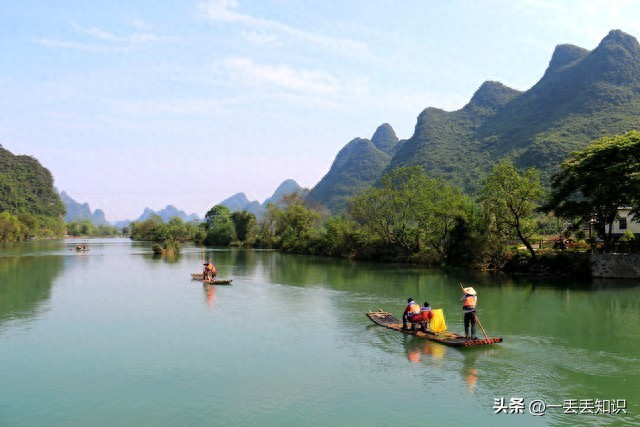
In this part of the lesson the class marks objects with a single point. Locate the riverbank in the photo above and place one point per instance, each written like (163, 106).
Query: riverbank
(577, 265)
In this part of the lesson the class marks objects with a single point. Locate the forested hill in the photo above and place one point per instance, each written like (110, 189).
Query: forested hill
(582, 96)
(356, 167)
(26, 187)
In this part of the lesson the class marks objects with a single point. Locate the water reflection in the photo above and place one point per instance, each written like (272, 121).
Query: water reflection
(25, 284)
(417, 349)
(168, 258)
(209, 292)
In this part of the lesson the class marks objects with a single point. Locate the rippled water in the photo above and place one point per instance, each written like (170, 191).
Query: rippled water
(114, 336)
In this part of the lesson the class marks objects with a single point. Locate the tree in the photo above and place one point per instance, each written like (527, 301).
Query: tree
(343, 237)
(244, 223)
(219, 227)
(595, 182)
(411, 213)
(178, 230)
(10, 227)
(442, 207)
(389, 211)
(511, 199)
(293, 223)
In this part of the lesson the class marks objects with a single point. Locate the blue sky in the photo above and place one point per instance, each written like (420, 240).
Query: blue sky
(138, 103)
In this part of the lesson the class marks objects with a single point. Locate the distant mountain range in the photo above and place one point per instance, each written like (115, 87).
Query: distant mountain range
(583, 95)
(240, 202)
(167, 213)
(76, 211)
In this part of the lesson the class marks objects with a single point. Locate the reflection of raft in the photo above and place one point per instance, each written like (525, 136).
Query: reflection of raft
(387, 320)
(200, 277)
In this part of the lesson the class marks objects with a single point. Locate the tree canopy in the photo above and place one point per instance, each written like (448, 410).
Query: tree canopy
(593, 183)
(510, 200)
(411, 212)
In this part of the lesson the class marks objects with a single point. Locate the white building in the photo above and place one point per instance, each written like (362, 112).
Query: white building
(626, 222)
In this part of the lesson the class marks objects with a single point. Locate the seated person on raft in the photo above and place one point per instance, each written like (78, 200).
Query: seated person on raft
(410, 311)
(209, 271)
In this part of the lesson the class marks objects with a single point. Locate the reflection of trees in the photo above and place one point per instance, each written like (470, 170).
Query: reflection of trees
(25, 284)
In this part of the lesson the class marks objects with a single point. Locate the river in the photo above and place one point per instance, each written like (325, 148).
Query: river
(117, 337)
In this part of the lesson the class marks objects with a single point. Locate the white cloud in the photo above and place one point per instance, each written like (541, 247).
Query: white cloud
(259, 38)
(106, 41)
(225, 10)
(248, 72)
(133, 37)
(171, 107)
(81, 46)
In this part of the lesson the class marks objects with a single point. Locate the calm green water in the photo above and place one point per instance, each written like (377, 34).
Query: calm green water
(115, 336)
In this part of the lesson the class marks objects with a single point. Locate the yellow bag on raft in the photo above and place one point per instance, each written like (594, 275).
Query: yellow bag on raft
(437, 322)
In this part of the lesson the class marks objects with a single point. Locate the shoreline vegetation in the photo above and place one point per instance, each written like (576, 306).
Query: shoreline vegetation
(514, 224)
(511, 226)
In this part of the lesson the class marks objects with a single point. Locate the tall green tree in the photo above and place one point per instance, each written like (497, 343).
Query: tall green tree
(593, 183)
(219, 226)
(511, 199)
(244, 223)
(411, 212)
(388, 211)
(294, 223)
(441, 208)
(10, 227)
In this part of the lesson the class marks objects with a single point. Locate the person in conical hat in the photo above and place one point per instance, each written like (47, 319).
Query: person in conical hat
(209, 270)
(469, 303)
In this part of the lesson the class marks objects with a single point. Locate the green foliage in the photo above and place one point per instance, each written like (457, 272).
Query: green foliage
(26, 187)
(154, 229)
(10, 228)
(343, 237)
(292, 226)
(595, 182)
(170, 247)
(510, 200)
(27, 194)
(575, 265)
(628, 236)
(84, 227)
(357, 166)
(445, 144)
(219, 227)
(584, 95)
(245, 224)
(472, 242)
(412, 215)
(388, 212)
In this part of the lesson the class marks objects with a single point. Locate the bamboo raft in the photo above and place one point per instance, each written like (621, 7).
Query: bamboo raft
(200, 277)
(387, 320)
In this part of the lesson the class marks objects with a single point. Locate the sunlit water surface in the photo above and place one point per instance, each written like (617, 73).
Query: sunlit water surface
(116, 337)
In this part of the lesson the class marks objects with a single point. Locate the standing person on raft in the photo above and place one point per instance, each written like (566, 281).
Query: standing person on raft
(470, 300)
